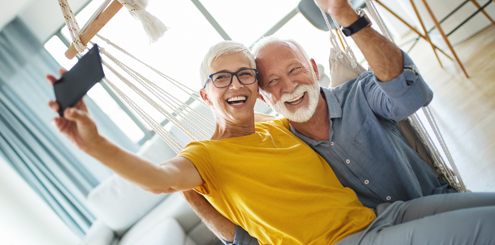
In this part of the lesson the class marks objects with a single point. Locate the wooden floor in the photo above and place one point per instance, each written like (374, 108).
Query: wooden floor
(465, 107)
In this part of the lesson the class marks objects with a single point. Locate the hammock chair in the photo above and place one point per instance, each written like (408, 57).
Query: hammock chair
(197, 126)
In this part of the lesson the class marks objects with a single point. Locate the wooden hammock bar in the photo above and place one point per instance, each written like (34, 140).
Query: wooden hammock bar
(95, 27)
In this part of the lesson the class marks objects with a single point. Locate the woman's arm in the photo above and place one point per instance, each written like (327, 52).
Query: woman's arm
(176, 174)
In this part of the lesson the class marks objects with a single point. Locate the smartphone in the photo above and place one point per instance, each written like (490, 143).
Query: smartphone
(76, 82)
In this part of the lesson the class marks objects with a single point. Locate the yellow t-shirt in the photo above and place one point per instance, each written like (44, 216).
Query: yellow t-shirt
(276, 187)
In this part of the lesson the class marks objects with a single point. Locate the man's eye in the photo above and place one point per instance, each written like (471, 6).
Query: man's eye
(295, 70)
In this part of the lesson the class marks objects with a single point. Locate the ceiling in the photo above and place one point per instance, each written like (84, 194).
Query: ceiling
(42, 16)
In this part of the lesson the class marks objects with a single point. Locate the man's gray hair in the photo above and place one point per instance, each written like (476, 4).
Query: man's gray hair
(220, 49)
(266, 41)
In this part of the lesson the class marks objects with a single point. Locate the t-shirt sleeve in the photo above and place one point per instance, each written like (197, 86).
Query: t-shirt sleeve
(199, 155)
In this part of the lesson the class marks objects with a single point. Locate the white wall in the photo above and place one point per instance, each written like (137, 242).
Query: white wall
(25, 217)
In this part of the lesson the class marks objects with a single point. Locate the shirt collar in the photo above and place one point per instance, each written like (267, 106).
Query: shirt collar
(333, 104)
(334, 110)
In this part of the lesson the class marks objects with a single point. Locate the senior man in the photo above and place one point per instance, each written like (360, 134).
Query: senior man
(351, 126)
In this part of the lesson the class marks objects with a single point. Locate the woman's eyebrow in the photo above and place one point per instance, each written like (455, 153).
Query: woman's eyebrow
(242, 68)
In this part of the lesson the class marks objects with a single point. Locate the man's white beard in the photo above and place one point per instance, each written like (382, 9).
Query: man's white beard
(302, 114)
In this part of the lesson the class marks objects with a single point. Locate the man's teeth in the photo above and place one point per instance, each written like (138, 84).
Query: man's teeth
(295, 99)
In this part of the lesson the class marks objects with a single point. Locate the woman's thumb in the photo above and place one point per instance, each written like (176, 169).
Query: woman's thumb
(76, 115)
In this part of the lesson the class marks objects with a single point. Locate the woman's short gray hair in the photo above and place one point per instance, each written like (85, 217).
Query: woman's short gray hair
(219, 49)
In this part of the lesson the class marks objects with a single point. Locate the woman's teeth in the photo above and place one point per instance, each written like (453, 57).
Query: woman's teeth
(237, 100)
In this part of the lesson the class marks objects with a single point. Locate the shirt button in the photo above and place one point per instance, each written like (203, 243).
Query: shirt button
(388, 198)
(347, 161)
(366, 182)
(331, 143)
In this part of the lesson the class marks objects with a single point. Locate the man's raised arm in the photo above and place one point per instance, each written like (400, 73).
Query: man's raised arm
(384, 57)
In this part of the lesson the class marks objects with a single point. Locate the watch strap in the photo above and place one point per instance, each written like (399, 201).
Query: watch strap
(359, 24)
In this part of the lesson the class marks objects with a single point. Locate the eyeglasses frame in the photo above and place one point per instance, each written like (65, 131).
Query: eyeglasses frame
(232, 74)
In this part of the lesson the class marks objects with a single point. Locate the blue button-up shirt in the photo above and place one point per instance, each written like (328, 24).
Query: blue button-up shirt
(366, 150)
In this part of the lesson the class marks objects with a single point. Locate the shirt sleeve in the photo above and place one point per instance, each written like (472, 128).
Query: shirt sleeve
(401, 96)
(199, 155)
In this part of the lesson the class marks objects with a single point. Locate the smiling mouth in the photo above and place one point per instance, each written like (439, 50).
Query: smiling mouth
(238, 100)
(296, 100)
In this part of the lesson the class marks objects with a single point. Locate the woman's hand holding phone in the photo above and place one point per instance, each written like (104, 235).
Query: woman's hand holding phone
(76, 123)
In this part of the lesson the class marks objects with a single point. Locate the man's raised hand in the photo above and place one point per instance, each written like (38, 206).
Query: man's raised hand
(340, 10)
(76, 123)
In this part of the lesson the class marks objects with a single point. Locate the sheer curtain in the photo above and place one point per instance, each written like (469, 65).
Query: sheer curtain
(60, 173)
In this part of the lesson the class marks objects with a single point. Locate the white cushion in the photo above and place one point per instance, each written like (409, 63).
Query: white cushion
(175, 206)
(168, 232)
(202, 235)
(189, 241)
(156, 150)
(119, 204)
(99, 234)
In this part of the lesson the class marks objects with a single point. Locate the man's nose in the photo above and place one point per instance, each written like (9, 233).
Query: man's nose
(290, 85)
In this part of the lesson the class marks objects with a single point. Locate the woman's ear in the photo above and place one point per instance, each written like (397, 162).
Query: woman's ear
(204, 96)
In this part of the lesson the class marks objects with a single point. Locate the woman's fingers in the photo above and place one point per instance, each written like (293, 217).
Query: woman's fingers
(73, 114)
(52, 79)
(61, 71)
(54, 105)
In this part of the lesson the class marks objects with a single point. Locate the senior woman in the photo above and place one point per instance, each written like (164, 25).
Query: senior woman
(260, 176)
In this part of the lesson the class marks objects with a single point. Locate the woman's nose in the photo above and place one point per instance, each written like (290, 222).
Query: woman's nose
(236, 84)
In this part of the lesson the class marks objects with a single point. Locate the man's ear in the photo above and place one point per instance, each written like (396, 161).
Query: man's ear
(315, 67)
(204, 96)
(260, 97)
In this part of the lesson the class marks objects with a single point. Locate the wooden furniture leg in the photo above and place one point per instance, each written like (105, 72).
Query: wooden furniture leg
(483, 11)
(444, 36)
(424, 30)
(411, 27)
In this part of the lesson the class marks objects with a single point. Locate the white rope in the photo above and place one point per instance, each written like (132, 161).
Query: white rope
(164, 134)
(333, 39)
(95, 15)
(179, 104)
(167, 115)
(72, 25)
(153, 27)
(193, 94)
(379, 21)
(440, 164)
(453, 177)
(152, 89)
(436, 129)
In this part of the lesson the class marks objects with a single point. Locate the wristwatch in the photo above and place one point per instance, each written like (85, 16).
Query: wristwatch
(359, 24)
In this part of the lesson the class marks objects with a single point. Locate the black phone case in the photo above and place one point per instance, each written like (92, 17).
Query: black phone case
(75, 83)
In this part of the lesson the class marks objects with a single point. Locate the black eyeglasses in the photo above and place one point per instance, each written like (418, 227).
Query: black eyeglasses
(223, 79)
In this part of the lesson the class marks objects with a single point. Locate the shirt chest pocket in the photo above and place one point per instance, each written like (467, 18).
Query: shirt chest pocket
(361, 145)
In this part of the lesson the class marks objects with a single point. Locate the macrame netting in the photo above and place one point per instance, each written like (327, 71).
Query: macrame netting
(343, 67)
